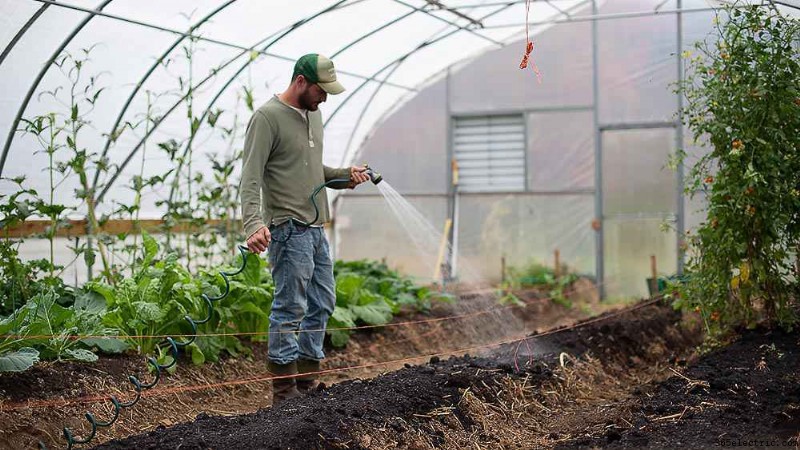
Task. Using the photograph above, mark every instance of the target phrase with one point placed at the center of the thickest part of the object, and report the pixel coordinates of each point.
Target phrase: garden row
(138, 312)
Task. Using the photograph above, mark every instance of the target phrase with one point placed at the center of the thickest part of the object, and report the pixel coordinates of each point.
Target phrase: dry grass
(583, 397)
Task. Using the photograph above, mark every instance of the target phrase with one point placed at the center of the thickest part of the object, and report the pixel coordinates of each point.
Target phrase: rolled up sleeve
(332, 173)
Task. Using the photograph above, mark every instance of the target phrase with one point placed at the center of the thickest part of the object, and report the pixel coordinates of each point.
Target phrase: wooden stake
(438, 273)
(653, 269)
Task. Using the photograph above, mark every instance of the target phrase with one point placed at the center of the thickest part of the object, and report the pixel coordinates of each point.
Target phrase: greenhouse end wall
(635, 130)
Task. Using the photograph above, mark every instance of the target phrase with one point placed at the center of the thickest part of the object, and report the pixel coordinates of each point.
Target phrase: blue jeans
(305, 292)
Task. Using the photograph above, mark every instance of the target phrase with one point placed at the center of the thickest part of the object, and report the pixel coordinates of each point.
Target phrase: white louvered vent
(490, 152)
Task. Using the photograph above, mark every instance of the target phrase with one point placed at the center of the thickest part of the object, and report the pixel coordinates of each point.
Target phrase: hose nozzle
(375, 177)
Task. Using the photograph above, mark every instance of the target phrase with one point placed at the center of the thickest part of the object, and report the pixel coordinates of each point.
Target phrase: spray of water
(423, 234)
(427, 240)
(426, 237)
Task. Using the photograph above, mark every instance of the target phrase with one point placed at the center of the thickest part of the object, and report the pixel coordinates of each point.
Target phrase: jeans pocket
(280, 233)
(298, 229)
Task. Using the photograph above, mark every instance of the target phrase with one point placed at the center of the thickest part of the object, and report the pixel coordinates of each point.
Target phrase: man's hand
(358, 175)
(259, 241)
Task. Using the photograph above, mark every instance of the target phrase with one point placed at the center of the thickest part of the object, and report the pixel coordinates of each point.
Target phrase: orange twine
(529, 46)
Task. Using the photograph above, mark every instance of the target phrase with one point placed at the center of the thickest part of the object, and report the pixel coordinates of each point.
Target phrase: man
(281, 166)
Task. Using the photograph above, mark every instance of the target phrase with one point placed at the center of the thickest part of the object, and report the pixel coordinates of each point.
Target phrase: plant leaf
(148, 312)
(375, 313)
(107, 345)
(348, 287)
(342, 317)
(150, 249)
(254, 270)
(81, 354)
(19, 360)
(249, 307)
(198, 358)
(340, 338)
(90, 302)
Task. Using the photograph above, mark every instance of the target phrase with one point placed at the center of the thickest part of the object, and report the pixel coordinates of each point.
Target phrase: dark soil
(53, 379)
(403, 399)
(629, 379)
(746, 394)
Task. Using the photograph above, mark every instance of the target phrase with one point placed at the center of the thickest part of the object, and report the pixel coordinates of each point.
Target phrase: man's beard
(307, 100)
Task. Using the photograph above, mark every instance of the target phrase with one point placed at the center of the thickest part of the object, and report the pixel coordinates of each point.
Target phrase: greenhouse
(530, 213)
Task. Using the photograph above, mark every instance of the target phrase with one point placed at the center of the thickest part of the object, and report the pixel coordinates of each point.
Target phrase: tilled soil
(396, 410)
(746, 394)
(628, 379)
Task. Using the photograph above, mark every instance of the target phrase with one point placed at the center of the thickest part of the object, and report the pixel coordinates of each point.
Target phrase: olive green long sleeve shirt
(281, 166)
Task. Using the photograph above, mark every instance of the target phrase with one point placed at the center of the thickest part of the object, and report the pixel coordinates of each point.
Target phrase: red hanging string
(529, 46)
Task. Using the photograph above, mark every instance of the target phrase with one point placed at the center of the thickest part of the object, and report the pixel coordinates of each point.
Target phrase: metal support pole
(680, 223)
(451, 174)
(598, 165)
(38, 79)
(22, 32)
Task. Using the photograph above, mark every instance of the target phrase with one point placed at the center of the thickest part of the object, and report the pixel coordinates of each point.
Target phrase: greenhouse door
(639, 204)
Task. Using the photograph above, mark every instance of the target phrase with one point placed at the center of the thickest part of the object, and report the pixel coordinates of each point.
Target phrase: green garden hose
(374, 176)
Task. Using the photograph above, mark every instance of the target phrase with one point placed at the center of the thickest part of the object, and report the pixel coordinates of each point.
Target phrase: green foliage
(19, 360)
(43, 328)
(535, 275)
(743, 100)
(244, 310)
(218, 198)
(22, 280)
(69, 131)
(153, 302)
(507, 297)
(368, 292)
(401, 290)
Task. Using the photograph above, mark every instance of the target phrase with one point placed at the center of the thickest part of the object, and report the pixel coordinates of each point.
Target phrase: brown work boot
(307, 381)
(283, 388)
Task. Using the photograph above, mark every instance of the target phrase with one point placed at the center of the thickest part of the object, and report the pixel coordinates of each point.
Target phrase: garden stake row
(173, 346)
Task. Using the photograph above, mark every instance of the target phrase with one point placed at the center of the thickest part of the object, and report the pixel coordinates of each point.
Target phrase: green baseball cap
(318, 69)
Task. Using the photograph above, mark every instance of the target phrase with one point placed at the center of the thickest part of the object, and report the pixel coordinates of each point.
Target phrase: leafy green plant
(218, 197)
(244, 310)
(539, 276)
(47, 133)
(133, 251)
(743, 100)
(368, 292)
(355, 303)
(44, 329)
(83, 92)
(156, 299)
(153, 302)
(401, 290)
(181, 202)
(21, 280)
